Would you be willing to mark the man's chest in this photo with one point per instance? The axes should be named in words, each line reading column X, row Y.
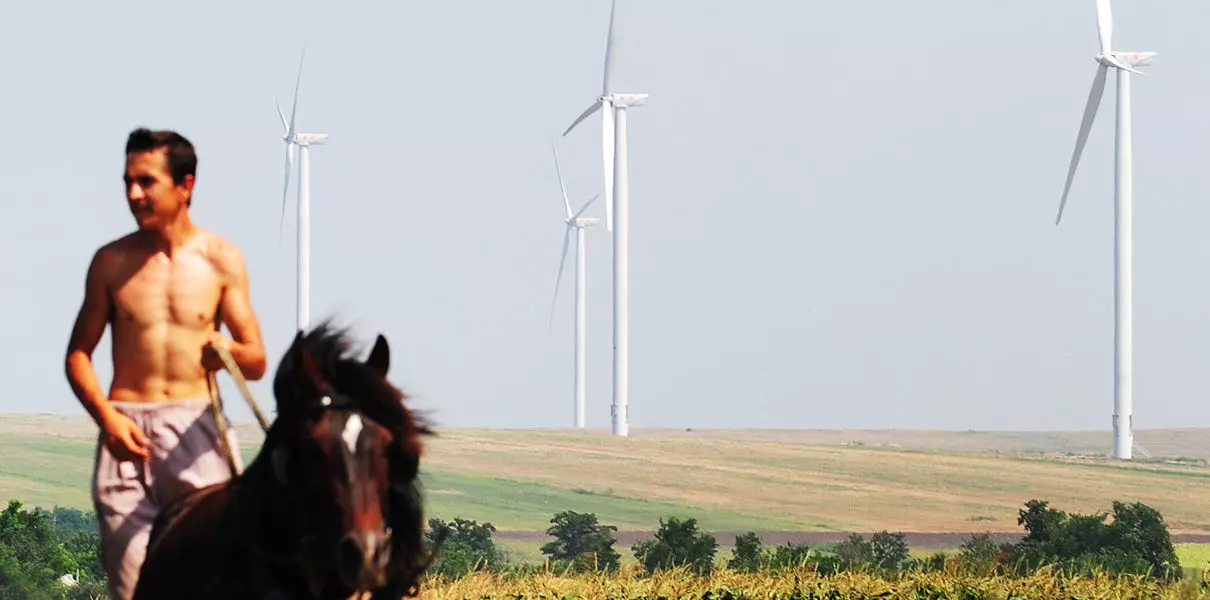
column 184, row 291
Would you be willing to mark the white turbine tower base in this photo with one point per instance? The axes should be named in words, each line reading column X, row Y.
column 303, row 141
column 620, row 410
column 1123, row 205
column 579, row 224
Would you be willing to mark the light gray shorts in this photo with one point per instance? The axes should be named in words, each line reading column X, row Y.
column 185, row 455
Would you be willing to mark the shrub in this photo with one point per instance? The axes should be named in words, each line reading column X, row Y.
column 466, row 546
column 580, row 543
column 889, row 550
column 1136, row 542
column 747, row 555
column 35, row 551
column 677, row 543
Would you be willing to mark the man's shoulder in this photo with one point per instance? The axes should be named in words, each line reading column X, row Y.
column 118, row 245
column 112, row 252
column 223, row 253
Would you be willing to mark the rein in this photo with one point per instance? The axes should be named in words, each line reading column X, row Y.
column 216, row 403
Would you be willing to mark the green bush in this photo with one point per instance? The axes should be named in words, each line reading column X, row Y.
column 36, row 550
column 889, row 550
column 1136, row 542
column 677, row 543
column 581, row 544
column 748, row 553
column 466, row 546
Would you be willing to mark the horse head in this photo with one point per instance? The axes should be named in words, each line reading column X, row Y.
column 345, row 450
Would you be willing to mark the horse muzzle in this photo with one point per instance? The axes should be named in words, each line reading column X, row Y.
column 361, row 559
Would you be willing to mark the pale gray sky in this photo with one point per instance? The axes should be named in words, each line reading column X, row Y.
column 842, row 213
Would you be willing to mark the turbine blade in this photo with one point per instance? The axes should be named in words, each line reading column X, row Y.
column 585, row 207
column 285, row 191
column 284, row 124
column 1090, row 114
column 297, row 82
column 562, row 188
column 584, row 115
column 607, row 142
column 1105, row 26
column 559, row 277
column 610, row 50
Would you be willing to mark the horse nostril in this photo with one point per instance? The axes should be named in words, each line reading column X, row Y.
column 361, row 561
column 349, row 555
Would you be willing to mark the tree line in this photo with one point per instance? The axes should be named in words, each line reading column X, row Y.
column 1136, row 541
column 54, row 554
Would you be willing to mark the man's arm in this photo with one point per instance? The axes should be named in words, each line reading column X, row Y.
column 85, row 335
column 236, row 312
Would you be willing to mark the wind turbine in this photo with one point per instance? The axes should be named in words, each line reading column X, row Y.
column 1123, row 360
column 579, row 224
column 613, row 108
column 303, row 141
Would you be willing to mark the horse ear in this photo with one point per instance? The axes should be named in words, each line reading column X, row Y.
column 308, row 366
column 296, row 351
column 297, row 343
column 380, row 356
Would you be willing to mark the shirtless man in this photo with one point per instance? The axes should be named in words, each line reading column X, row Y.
column 164, row 290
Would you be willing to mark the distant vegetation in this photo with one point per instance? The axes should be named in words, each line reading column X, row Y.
column 45, row 555
column 39, row 548
column 1063, row 556
column 1135, row 542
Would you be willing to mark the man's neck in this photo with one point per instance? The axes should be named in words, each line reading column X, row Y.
column 173, row 236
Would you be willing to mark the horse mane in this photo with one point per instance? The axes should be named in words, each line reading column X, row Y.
column 329, row 355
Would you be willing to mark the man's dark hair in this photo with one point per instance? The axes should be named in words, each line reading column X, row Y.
column 180, row 158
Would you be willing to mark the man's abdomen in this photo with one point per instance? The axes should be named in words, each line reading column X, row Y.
column 154, row 363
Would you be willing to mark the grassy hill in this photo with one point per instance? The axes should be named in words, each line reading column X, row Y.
column 810, row 481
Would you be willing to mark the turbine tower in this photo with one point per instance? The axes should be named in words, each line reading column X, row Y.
column 303, row 141
column 613, row 108
column 1123, row 201
column 579, row 224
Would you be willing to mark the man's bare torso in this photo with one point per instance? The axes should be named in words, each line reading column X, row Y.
column 164, row 312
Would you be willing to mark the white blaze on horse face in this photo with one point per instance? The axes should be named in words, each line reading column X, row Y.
column 352, row 432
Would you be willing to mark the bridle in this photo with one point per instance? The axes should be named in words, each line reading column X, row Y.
column 329, row 399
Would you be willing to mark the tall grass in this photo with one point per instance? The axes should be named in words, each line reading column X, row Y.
column 631, row 583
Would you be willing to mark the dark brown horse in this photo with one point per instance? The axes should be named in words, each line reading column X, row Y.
column 329, row 508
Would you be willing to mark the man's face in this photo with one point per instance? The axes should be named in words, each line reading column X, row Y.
column 153, row 198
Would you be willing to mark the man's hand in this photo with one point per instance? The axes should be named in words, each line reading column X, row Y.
column 210, row 358
column 124, row 438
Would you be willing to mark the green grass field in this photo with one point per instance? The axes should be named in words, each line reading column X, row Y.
column 736, row 481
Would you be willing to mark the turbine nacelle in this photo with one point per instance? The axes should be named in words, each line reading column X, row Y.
column 628, row 100
column 306, row 139
column 583, row 222
column 1129, row 59
column 1107, row 57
